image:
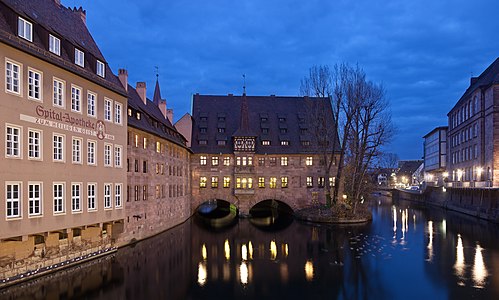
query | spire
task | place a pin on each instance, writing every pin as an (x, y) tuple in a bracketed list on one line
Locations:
[(157, 94)]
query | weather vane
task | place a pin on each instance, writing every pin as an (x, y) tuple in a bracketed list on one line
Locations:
[(244, 83), (157, 71)]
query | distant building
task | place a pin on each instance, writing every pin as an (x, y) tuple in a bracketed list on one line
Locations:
[(410, 172), (64, 138), (158, 185), (435, 156), (247, 149), (473, 154)]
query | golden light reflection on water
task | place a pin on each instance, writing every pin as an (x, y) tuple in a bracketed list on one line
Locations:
[(394, 210), (284, 272), (286, 250), (430, 241), (250, 248), (243, 273), (309, 270), (227, 249), (444, 227), (479, 270), (244, 252), (202, 273), (204, 253), (273, 250), (459, 265)]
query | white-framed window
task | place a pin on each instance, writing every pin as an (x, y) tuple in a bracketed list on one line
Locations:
[(58, 147), (91, 104), (58, 94), (12, 77), (91, 196), (202, 160), (310, 181), (309, 160), (117, 156), (108, 109), (25, 29), (76, 197), (35, 198), (108, 149), (76, 150), (101, 69), (91, 150), (13, 199), (117, 194), (58, 194), (13, 141), (54, 45), (79, 57), (284, 161), (107, 195), (117, 113), (34, 84), (227, 161), (76, 98), (284, 143), (34, 144)]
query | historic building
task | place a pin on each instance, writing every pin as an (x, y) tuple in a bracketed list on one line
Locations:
[(247, 149), (158, 171), (63, 137), (435, 156), (473, 152)]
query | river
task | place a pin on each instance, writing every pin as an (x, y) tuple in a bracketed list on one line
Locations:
[(407, 252)]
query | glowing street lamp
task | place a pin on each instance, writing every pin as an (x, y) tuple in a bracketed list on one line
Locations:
[(459, 174), (479, 171), (445, 174)]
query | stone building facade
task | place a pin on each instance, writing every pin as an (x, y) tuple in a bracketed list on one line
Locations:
[(63, 137), (158, 171), (247, 149), (435, 156), (472, 147)]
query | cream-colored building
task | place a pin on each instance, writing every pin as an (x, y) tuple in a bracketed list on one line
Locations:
[(63, 133)]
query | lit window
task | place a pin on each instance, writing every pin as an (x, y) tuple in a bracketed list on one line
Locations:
[(244, 183), (54, 45), (138, 115), (117, 156), (284, 143), (35, 199), (79, 57), (261, 161), (332, 181), (108, 109), (261, 182), (226, 182), (202, 160), (284, 182), (91, 192), (25, 29), (101, 69), (309, 160), (13, 199), (214, 161), (117, 194), (144, 143), (310, 181), (136, 141), (107, 155), (91, 152), (320, 182), (117, 113), (75, 99), (226, 161), (34, 144), (58, 95), (91, 104), (13, 142), (58, 147), (129, 112), (76, 150), (202, 182), (214, 182), (273, 182), (12, 77), (273, 161), (221, 142), (203, 142), (305, 143), (158, 147), (284, 161), (107, 195), (34, 85), (266, 143), (58, 193), (76, 197)]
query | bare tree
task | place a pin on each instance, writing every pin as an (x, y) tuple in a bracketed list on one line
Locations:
[(361, 125)]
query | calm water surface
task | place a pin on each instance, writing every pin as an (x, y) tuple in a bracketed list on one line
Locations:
[(407, 252)]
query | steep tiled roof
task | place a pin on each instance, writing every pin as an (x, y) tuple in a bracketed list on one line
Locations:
[(151, 119), (48, 17), (270, 118), (488, 77)]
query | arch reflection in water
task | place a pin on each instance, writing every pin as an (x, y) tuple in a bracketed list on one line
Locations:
[(479, 270), (217, 214)]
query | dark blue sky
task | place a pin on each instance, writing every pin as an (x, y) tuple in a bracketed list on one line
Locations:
[(424, 51)]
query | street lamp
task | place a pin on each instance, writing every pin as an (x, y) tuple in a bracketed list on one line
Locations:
[(459, 174), (479, 171)]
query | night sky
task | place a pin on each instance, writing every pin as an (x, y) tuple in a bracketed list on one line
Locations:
[(424, 51)]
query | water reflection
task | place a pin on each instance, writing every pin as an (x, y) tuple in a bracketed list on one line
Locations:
[(309, 270), (459, 265), (479, 270), (430, 241)]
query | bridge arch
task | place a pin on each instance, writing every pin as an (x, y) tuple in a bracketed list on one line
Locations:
[(271, 214), (217, 213)]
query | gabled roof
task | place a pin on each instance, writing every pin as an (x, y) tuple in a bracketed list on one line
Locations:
[(409, 166), (152, 120), (48, 17), (270, 118), (488, 77)]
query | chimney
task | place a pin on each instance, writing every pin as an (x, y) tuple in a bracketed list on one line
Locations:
[(141, 90), (123, 76), (473, 80), (162, 107), (80, 11), (169, 115)]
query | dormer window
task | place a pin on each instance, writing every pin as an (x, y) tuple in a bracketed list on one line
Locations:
[(54, 45), (25, 29), (138, 116), (281, 119), (203, 118), (129, 112), (101, 69), (284, 143), (79, 58), (266, 143)]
